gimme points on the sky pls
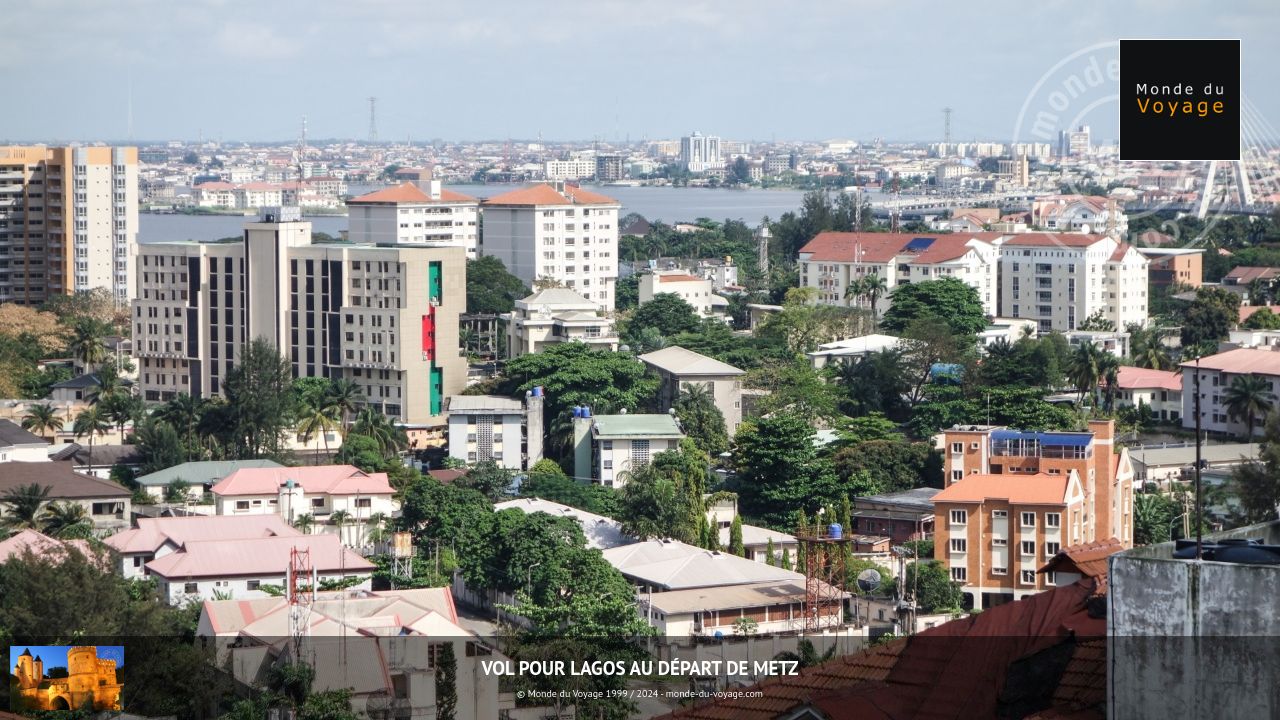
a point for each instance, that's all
(574, 69)
(56, 656)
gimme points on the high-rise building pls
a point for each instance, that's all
(700, 152)
(556, 232)
(412, 215)
(608, 168)
(68, 221)
(1075, 143)
(385, 318)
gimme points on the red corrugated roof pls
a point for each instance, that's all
(1136, 378)
(409, 193)
(1037, 489)
(544, 194)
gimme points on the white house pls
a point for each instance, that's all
(200, 475)
(318, 490)
(1216, 373)
(556, 315)
(1159, 390)
(850, 350)
(156, 537)
(697, 291)
(107, 504)
(19, 445)
(606, 447)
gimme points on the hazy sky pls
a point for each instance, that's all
(569, 69)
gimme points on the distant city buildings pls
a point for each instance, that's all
(1075, 143)
(68, 221)
(385, 318)
(700, 153)
(558, 233)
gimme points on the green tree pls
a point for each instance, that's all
(66, 520)
(91, 422)
(795, 386)
(1257, 484)
(488, 478)
(1248, 397)
(932, 587)
(42, 419)
(779, 470)
(1209, 319)
(626, 293)
(87, 345)
(345, 398)
(373, 423)
(183, 413)
(888, 466)
(446, 683)
(949, 299)
(667, 313)
(700, 419)
(491, 289)
(177, 490)
(258, 392)
(735, 537)
(329, 705)
(159, 445)
(663, 499)
(1153, 517)
(927, 342)
(1148, 347)
(1262, 319)
(1098, 322)
(547, 481)
(875, 383)
(1089, 364)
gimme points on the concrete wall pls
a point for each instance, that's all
(1193, 639)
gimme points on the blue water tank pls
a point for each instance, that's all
(537, 391)
(577, 411)
(586, 411)
(835, 531)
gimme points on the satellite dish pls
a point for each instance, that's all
(869, 579)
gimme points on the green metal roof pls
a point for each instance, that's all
(203, 472)
(640, 426)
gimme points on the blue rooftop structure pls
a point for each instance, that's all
(919, 244)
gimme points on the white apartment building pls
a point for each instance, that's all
(556, 315)
(699, 153)
(383, 317)
(1160, 391)
(501, 429)
(1059, 280)
(680, 368)
(696, 291)
(556, 232)
(1216, 374)
(1079, 214)
(407, 215)
(578, 168)
(833, 261)
(607, 447)
(68, 221)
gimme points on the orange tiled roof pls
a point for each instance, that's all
(544, 194)
(1037, 489)
(833, 246)
(678, 278)
(409, 193)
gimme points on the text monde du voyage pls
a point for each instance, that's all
(1180, 99)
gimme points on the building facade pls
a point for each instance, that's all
(607, 447)
(408, 215)
(680, 369)
(501, 429)
(1062, 279)
(385, 318)
(699, 153)
(68, 221)
(556, 315)
(696, 291)
(1216, 373)
(556, 232)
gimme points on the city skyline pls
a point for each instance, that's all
(607, 70)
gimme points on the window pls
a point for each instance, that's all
(957, 447)
(606, 444)
(1051, 549)
(959, 545)
(999, 571)
(1028, 577)
(999, 542)
(137, 561)
(959, 517)
(1053, 520)
(1028, 519)
(999, 514)
(254, 584)
(364, 502)
(1029, 547)
(317, 502)
(957, 475)
(959, 574)
(242, 505)
(608, 464)
(191, 588)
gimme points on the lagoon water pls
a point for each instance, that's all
(669, 204)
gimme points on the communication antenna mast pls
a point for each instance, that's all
(301, 597)
(762, 245)
(824, 549)
(946, 126)
(373, 119)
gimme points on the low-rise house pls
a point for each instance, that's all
(40, 545)
(318, 491)
(602, 532)
(157, 537)
(852, 349)
(901, 516)
(1216, 373)
(606, 447)
(19, 445)
(679, 369)
(1113, 342)
(199, 475)
(1160, 391)
(1163, 465)
(103, 459)
(237, 569)
(106, 502)
(81, 387)
(389, 644)
(756, 542)
(488, 427)
(695, 290)
(556, 315)
(997, 530)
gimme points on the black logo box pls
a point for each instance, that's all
(1187, 69)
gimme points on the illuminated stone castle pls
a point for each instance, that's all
(90, 682)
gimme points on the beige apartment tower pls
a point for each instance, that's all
(68, 221)
(384, 317)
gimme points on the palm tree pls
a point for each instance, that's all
(345, 397)
(1248, 396)
(24, 504)
(340, 519)
(304, 523)
(317, 420)
(855, 289)
(1087, 368)
(1148, 348)
(66, 520)
(42, 419)
(376, 528)
(873, 286)
(108, 383)
(121, 408)
(87, 346)
(370, 421)
(91, 421)
(1111, 376)
(183, 412)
